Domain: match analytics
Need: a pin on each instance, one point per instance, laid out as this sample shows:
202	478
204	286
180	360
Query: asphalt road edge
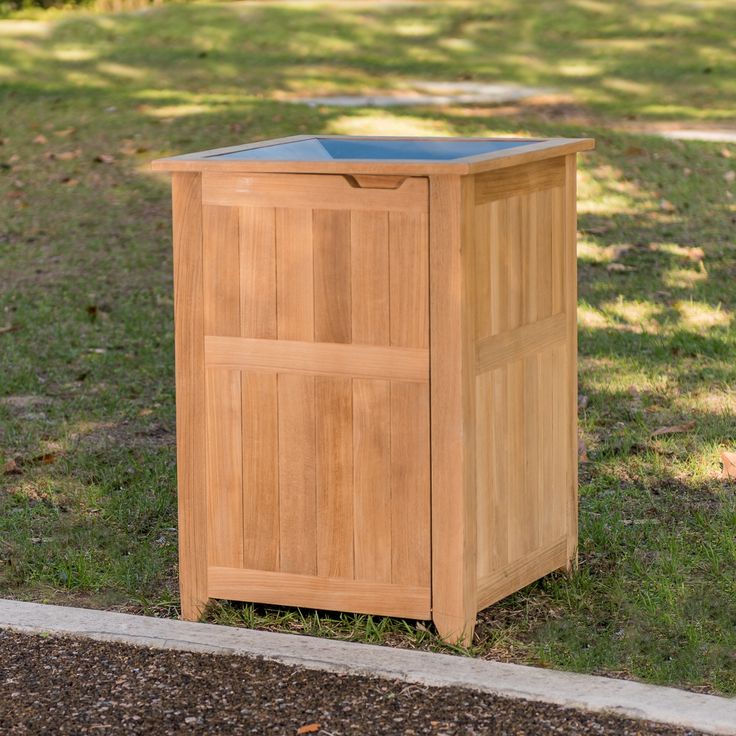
708	713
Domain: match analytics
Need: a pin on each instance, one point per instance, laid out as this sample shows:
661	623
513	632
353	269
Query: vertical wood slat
501	488
498	263
533	263
221	269
258	272
261	535
484	409
294	271
410	507
221	306
296	395
543	225
513	285
190	405
372	479
483	316
370	277
334	476
260	471
409	279
558	250
297	468
332	300
224	469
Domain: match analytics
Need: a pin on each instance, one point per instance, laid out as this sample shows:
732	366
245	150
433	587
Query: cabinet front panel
317	393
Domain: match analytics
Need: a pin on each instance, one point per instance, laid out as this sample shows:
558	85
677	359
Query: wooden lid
375	155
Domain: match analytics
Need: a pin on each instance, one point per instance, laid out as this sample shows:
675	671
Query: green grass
87	498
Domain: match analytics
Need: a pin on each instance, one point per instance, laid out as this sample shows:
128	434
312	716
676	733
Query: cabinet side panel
523	351
190	400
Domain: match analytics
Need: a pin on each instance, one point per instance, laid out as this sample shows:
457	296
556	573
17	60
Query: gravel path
64	685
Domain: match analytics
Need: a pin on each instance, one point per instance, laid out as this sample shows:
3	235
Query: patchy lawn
87	490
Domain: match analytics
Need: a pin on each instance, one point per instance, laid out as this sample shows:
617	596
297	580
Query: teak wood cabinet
375	372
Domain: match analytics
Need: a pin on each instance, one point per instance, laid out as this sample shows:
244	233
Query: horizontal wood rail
521	572
518	180
317	358
496	350
311	191
311	591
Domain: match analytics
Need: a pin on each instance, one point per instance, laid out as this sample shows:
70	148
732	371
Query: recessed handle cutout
374	181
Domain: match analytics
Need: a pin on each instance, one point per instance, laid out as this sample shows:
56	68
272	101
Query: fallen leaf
69	181
598	230
104	158
40	139
666	206
674	429
582	451
11	468
619	267
729	465
634	151
730	176
46	459
582	401
67	155
309	728
9	328
64	133
726	152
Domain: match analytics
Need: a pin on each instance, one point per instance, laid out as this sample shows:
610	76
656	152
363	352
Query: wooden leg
193	601
452	388
190	405
455	630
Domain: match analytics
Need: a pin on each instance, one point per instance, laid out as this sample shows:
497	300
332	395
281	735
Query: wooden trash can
375	372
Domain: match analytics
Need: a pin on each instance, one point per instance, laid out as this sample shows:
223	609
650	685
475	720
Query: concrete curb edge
707	713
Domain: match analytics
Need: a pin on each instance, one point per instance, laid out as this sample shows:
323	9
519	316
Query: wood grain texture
409	280
332	270
522	389
452	390
497	350
190	405
310	192
410	482
257	235
294	274
372	480
260	441
221	270
311	591
369	271
334	477
520	180
318	358
521	572
297	475
224	468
